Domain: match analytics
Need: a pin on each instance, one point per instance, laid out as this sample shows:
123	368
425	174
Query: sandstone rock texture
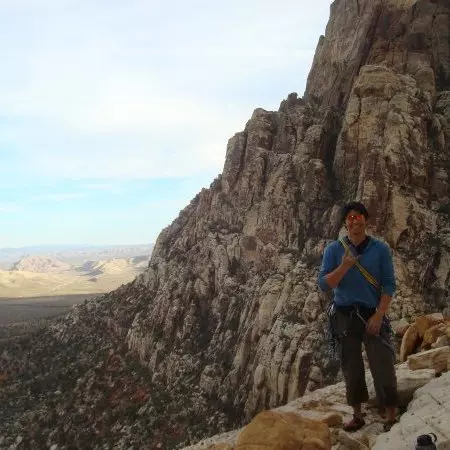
436	358
228	317
427	331
428	413
328	406
284	431
237	269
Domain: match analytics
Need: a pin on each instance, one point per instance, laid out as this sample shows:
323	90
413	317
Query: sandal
354	425
389	424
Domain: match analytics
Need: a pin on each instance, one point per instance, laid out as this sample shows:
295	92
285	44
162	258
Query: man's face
355	222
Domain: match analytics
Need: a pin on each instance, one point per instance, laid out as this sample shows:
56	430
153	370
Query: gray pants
351	334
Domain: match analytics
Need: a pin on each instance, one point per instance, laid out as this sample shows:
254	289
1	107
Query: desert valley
42	282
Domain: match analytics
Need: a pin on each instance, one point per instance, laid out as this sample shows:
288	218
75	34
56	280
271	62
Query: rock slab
429	412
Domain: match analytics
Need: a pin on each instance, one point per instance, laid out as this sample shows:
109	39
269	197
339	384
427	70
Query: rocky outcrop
424	334
427	413
227	317
237	269
436	358
284	431
422	405
328	406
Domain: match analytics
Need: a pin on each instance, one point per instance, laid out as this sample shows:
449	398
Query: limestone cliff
227	317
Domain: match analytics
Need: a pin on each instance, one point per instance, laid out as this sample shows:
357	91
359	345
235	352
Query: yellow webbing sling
364	272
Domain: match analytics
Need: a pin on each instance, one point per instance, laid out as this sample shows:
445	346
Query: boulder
409	342
400	327
408	382
441	341
283	431
424	322
432	334
432	359
427	413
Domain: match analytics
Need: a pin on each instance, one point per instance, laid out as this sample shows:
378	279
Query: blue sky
114	114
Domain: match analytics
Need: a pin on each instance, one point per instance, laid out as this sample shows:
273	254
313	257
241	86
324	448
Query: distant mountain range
73	254
40	264
67	271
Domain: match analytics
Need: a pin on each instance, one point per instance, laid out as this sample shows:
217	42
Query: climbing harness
334	336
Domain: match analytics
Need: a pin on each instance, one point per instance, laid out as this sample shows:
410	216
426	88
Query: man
359	269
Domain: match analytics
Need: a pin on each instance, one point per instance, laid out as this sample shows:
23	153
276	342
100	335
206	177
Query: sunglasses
353	217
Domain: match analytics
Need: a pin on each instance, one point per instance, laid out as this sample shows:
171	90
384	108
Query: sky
114	114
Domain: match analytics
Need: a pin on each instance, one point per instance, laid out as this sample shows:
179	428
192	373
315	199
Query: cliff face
232	281
228	310
387	63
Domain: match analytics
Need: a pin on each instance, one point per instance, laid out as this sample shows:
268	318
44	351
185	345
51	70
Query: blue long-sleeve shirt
354	288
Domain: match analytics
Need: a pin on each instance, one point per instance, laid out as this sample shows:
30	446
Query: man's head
355	216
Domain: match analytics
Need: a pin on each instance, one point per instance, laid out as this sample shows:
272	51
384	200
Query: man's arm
383	306
388	286
387	281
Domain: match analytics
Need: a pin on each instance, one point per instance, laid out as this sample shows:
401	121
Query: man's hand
334	278
374	323
348	260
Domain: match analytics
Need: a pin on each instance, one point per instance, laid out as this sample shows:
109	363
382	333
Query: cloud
10	207
59	197
107	187
148	89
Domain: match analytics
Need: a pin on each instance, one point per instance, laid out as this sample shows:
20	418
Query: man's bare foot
355	424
